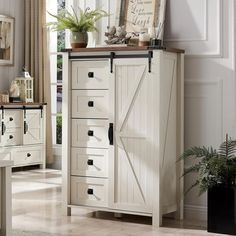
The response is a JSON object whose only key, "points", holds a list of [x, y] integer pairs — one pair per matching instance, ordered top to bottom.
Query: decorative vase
{"points": [[79, 39], [222, 210]]}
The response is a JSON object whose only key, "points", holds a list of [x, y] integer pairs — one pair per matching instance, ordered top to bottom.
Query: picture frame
{"points": [[136, 15], [7, 36]]}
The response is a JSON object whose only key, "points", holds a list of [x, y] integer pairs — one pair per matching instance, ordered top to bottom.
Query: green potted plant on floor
{"points": [[79, 25], [216, 171]]}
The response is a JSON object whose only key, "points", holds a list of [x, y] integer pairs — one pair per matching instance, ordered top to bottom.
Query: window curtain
{"points": [[37, 61]]}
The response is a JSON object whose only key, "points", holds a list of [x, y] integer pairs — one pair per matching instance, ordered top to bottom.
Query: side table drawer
{"points": [[90, 74], [90, 104], [13, 118], [89, 133], [12, 137], [27, 156], [89, 162], [89, 191]]}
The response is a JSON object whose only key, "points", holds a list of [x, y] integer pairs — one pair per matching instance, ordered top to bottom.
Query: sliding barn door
{"points": [[33, 127], [131, 178]]}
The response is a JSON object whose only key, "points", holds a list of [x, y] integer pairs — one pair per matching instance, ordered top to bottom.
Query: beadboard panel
{"points": [[15, 9]]}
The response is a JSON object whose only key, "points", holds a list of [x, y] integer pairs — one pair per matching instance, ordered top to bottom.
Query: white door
{"points": [[33, 127], [131, 178]]}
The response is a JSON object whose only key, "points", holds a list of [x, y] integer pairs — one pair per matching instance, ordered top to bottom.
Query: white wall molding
{"points": [[205, 34], [210, 44], [208, 94]]}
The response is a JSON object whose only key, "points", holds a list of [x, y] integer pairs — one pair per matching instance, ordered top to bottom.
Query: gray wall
{"points": [[14, 8]]}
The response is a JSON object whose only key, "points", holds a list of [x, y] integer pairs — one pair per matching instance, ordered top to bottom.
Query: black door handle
{"points": [[11, 119], [25, 127], [110, 133], [11, 137], [28, 155], [90, 191]]}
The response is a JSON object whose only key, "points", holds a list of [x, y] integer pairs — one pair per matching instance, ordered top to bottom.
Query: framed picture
{"points": [[136, 15], [6, 40]]}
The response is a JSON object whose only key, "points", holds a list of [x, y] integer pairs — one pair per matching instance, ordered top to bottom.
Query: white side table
{"points": [[5, 198]]}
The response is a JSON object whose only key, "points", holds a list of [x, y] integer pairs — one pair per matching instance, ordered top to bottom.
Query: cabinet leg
{"points": [[42, 166], [66, 211]]}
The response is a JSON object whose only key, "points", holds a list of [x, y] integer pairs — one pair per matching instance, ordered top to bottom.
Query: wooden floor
{"points": [[37, 207]]}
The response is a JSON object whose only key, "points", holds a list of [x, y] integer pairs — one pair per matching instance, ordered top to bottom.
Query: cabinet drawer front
{"points": [[90, 75], [90, 104], [13, 118], [89, 133], [12, 137], [27, 156], [89, 162], [89, 191]]}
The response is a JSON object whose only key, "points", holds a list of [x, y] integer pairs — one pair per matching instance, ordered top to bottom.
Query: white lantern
{"points": [[26, 84]]}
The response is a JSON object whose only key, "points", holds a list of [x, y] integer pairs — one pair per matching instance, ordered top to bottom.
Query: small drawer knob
{"points": [[91, 75], [91, 104], [11, 119], [90, 133], [11, 137], [28, 155], [90, 162], [90, 191]]}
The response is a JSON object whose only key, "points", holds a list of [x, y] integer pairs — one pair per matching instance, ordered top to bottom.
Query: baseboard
{"points": [[193, 212]]}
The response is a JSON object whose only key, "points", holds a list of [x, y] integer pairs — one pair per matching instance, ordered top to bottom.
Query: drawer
{"points": [[90, 74], [90, 104], [13, 118], [89, 133], [12, 137], [27, 156], [89, 162], [89, 191]]}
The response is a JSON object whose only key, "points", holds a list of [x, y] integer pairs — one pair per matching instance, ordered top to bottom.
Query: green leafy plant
{"points": [[85, 22], [214, 167]]}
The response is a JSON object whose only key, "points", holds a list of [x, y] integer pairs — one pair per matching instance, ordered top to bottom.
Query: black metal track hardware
{"points": [[113, 56], [111, 61], [2, 108], [22, 108], [41, 108], [24, 112]]}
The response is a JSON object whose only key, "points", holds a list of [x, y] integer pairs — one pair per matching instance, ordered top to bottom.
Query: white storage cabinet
{"points": [[123, 132], [22, 134]]}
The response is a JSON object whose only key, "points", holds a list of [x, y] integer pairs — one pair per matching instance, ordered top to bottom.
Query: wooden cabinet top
{"points": [[121, 49]]}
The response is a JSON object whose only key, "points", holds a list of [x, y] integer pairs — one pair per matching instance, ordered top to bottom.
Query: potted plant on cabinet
{"points": [[78, 25], [217, 176]]}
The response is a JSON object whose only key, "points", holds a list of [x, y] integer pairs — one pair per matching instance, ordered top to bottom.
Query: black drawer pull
{"points": [[91, 75], [91, 104], [11, 119], [90, 133], [110, 133], [11, 136], [28, 155], [90, 162], [90, 191]]}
